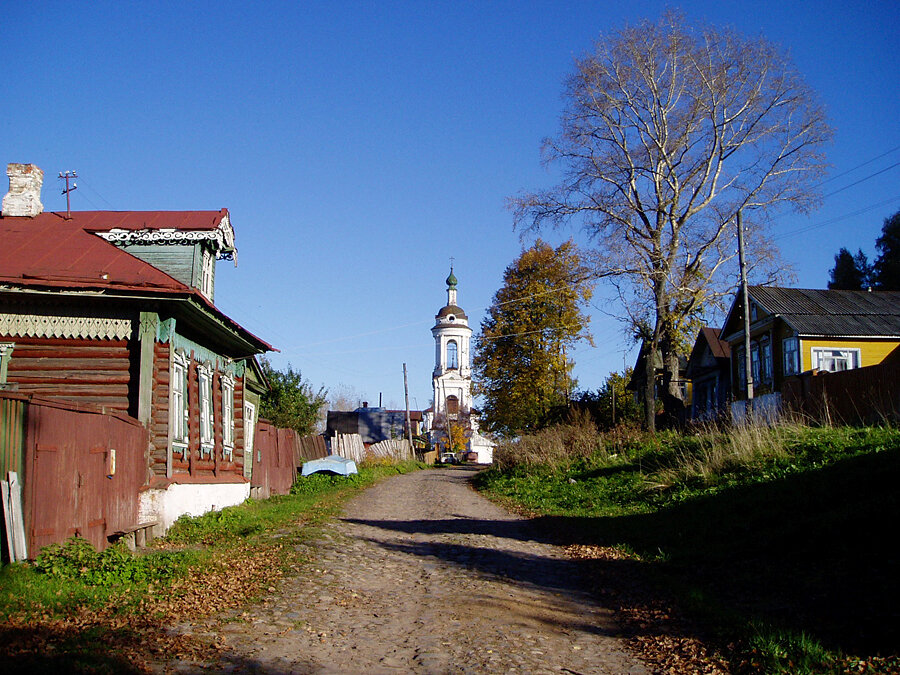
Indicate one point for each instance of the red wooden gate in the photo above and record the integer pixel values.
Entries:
(84, 471)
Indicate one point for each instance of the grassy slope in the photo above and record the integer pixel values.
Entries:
(801, 544)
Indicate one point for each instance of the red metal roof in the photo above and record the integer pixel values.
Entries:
(103, 221)
(719, 348)
(49, 250)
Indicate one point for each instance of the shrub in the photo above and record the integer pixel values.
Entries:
(77, 559)
(554, 446)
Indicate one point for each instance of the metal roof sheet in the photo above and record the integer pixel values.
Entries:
(50, 251)
(103, 221)
(833, 313)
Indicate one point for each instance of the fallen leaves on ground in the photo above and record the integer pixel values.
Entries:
(133, 637)
(655, 631)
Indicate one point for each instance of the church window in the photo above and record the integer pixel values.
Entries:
(452, 354)
(452, 405)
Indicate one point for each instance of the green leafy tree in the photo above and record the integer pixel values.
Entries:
(613, 404)
(290, 402)
(886, 269)
(850, 273)
(520, 364)
(669, 129)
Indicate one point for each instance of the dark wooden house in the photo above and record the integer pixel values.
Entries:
(115, 310)
(709, 371)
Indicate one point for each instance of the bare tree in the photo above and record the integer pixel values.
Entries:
(668, 130)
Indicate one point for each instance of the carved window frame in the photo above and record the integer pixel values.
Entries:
(207, 428)
(6, 350)
(227, 385)
(180, 406)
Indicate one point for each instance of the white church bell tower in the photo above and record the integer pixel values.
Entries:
(452, 378)
(452, 367)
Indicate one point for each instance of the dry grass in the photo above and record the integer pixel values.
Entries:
(666, 458)
(554, 446)
(715, 450)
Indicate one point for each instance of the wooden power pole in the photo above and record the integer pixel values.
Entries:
(412, 448)
(745, 295)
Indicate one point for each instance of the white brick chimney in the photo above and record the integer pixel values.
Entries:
(24, 196)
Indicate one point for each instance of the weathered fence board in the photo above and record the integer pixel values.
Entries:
(351, 446)
(869, 395)
(14, 521)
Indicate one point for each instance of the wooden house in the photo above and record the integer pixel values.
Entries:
(709, 371)
(115, 310)
(795, 330)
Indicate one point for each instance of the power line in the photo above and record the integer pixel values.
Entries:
(862, 180)
(836, 219)
(859, 166)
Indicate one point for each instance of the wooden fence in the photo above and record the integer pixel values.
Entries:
(277, 455)
(81, 469)
(351, 446)
(869, 395)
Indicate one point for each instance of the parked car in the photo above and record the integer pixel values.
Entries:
(448, 458)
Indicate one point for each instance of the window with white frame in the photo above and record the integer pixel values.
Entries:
(228, 417)
(207, 439)
(835, 360)
(207, 268)
(6, 349)
(249, 432)
(180, 419)
(791, 351)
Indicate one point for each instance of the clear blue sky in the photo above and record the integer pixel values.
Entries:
(359, 145)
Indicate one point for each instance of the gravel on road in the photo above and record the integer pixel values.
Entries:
(423, 575)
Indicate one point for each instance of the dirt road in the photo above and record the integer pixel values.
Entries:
(423, 575)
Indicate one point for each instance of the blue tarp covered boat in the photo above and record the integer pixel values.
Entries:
(334, 463)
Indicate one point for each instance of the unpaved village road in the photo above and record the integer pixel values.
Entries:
(423, 575)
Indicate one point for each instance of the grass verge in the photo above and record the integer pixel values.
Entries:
(777, 542)
(84, 611)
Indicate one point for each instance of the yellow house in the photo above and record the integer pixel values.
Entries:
(793, 330)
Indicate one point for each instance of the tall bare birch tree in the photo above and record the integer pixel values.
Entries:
(668, 130)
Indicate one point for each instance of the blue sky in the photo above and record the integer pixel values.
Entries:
(359, 145)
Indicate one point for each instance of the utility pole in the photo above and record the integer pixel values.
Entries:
(612, 387)
(66, 175)
(412, 448)
(745, 295)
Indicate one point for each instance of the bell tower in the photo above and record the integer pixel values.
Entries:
(452, 378)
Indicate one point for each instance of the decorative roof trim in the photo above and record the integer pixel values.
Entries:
(51, 326)
(222, 236)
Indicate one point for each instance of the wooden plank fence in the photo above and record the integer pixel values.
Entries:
(81, 469)
(869, 395)
(351, 446)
